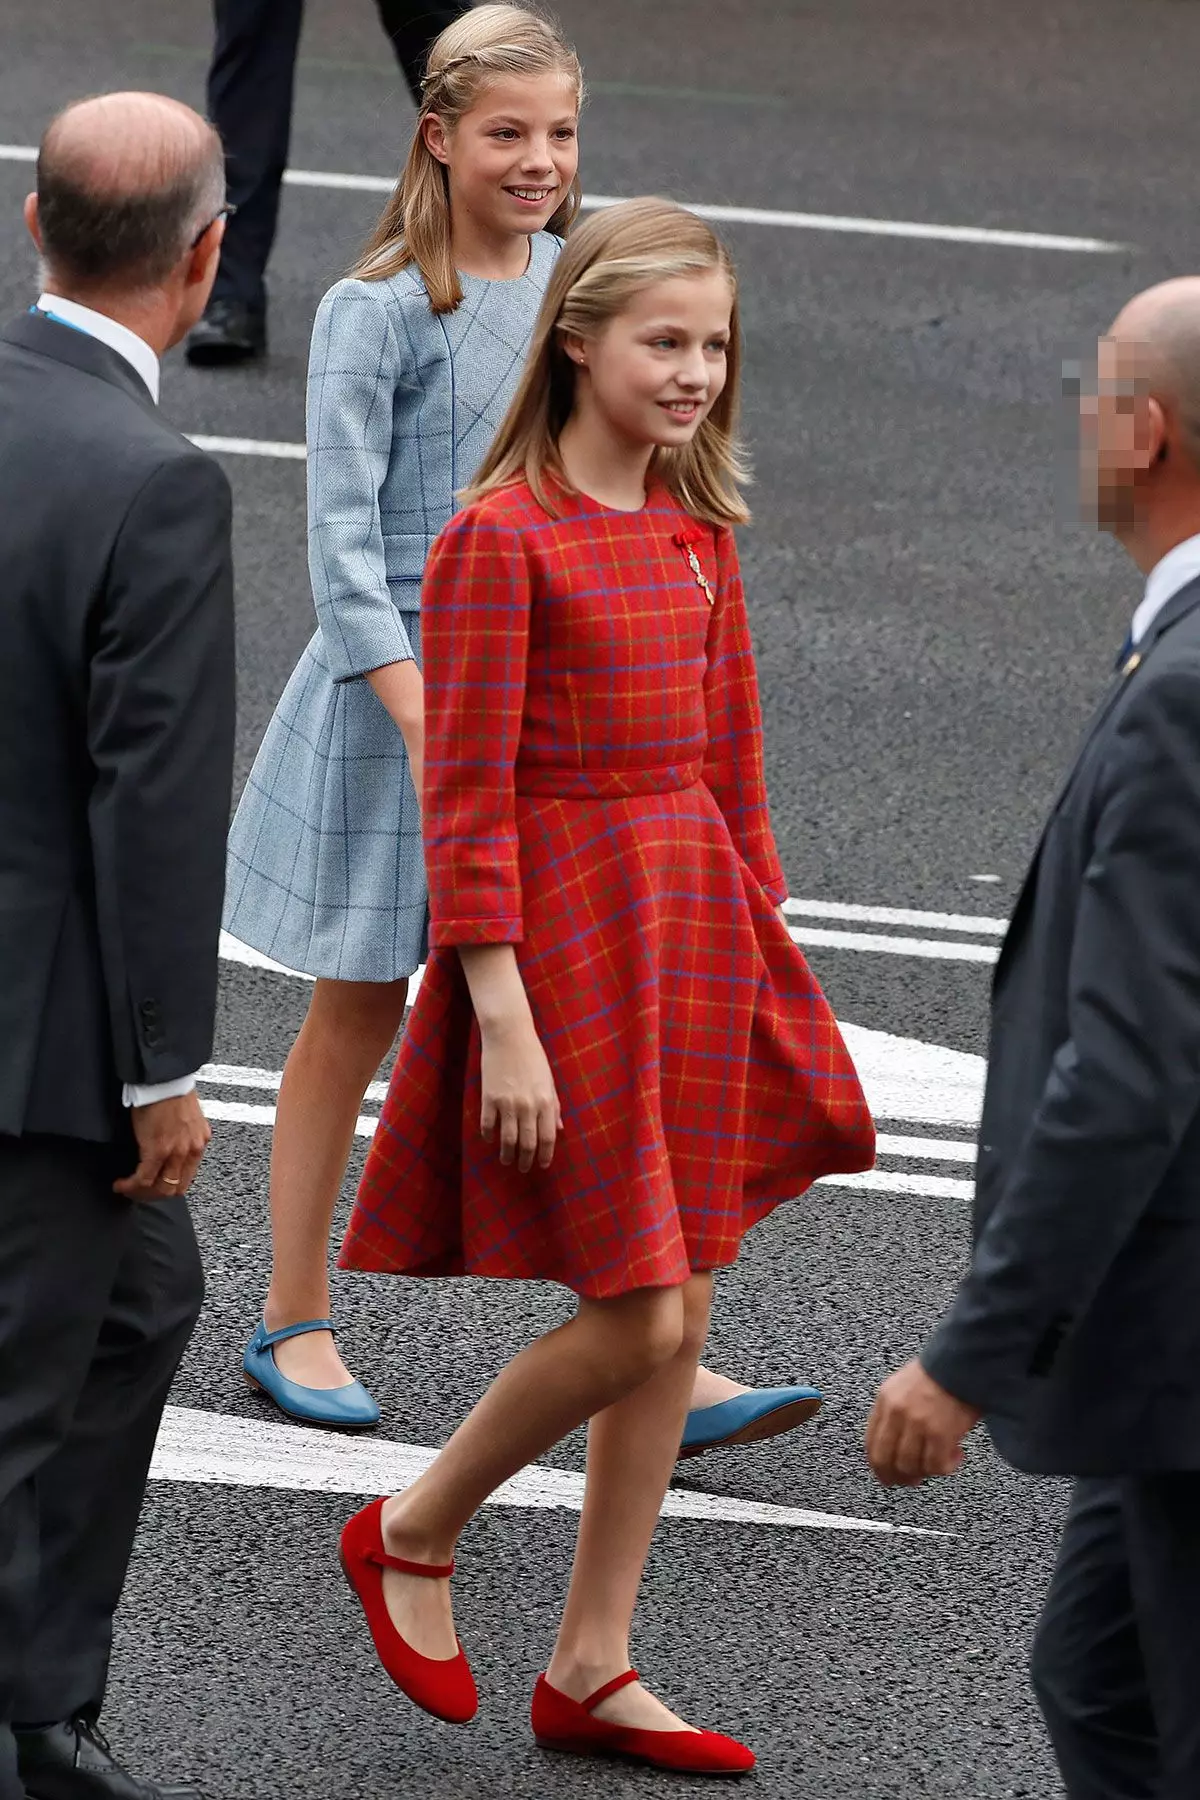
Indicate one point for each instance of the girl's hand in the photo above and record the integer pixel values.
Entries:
(400, 688)
(520, 1105)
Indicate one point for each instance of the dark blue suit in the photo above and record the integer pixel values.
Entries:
(1077, 1328)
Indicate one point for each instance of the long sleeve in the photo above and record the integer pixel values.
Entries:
(475, 641)
(160, 719)
(1125, 1083)
(354, 367)
(733, 763)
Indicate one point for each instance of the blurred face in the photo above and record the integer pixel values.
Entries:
(656, 370)
(1120, 434)
(513, 157)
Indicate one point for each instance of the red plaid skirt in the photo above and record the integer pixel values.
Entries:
(700, 1071)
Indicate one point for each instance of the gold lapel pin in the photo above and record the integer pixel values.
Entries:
(1132, 664)
(701, 578)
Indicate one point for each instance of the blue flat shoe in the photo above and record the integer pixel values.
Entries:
(762, 1413)
(347, 1408)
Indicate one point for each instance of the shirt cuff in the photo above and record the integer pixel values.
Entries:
(133, 1095)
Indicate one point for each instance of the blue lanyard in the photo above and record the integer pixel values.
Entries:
(43, 313)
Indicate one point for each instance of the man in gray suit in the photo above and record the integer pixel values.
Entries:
(1076, 1331)
(116, 742)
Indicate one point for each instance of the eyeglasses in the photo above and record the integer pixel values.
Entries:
(226, 212)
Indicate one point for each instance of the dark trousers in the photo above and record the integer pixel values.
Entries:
(98, 1298)
(1116, 1658)
(250, 85)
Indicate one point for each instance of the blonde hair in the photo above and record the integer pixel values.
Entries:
(619, 252)
(486, 43)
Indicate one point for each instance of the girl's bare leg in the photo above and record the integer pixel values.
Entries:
(348, 1031)
(610, 1348)
(631, 1452)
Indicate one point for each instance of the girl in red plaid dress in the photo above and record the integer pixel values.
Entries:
(618, 1059)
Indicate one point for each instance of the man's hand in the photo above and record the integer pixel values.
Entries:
(916, 1429)
(172, 1136)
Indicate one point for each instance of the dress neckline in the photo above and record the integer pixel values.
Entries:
(505, 281)
(655, 491)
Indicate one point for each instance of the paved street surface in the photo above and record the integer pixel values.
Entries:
(931, 636)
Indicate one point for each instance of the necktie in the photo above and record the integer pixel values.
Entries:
(1127, 649)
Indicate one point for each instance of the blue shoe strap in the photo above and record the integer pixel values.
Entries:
(289, 1331)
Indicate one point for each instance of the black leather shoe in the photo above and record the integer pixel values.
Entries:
(229, 332)
(72, 1761)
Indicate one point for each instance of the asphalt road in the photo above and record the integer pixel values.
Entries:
(932, 631)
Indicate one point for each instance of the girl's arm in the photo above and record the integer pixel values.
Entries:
(475, 625)
(520, 1104)
(402, 691)
(733, 763)
(355, 366)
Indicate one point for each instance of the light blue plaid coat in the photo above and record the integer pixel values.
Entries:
(325, 867)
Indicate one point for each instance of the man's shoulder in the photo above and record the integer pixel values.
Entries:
(71, 420)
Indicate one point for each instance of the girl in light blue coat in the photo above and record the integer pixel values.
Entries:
(414, 360)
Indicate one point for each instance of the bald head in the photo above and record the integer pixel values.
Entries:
(124, 183)
(1155, 341)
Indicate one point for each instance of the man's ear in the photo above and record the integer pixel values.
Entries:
(32, 226)
(1156, 433)
(206, 253)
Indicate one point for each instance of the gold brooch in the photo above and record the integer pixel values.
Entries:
(701, 578)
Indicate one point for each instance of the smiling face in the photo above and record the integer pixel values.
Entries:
(512, 157)
(653, 373)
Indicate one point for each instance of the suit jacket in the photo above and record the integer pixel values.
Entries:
(1077, 1329)
(116, 735)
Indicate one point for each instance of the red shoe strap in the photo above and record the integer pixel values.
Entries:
(433, 1571)
(611, 1687)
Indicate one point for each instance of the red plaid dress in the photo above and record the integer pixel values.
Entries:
(594, 796)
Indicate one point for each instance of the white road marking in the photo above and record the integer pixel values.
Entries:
(906, 1079)
(925, 1149)
(244, 1112)
(236, 1075)
(938, 949)
(732, 215)
(893, 228)
(235, 446)
(895, 1181)
(218, 1448)
(895, 915)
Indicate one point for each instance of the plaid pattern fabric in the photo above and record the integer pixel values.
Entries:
(326, 872)
(595, 796)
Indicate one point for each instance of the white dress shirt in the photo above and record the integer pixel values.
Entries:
(143, 360)
(126, 343)
(1166, 578)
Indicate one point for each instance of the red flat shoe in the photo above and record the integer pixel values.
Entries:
(443, 1686)
(560, 1723)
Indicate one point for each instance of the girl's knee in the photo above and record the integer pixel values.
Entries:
(643, 1330)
